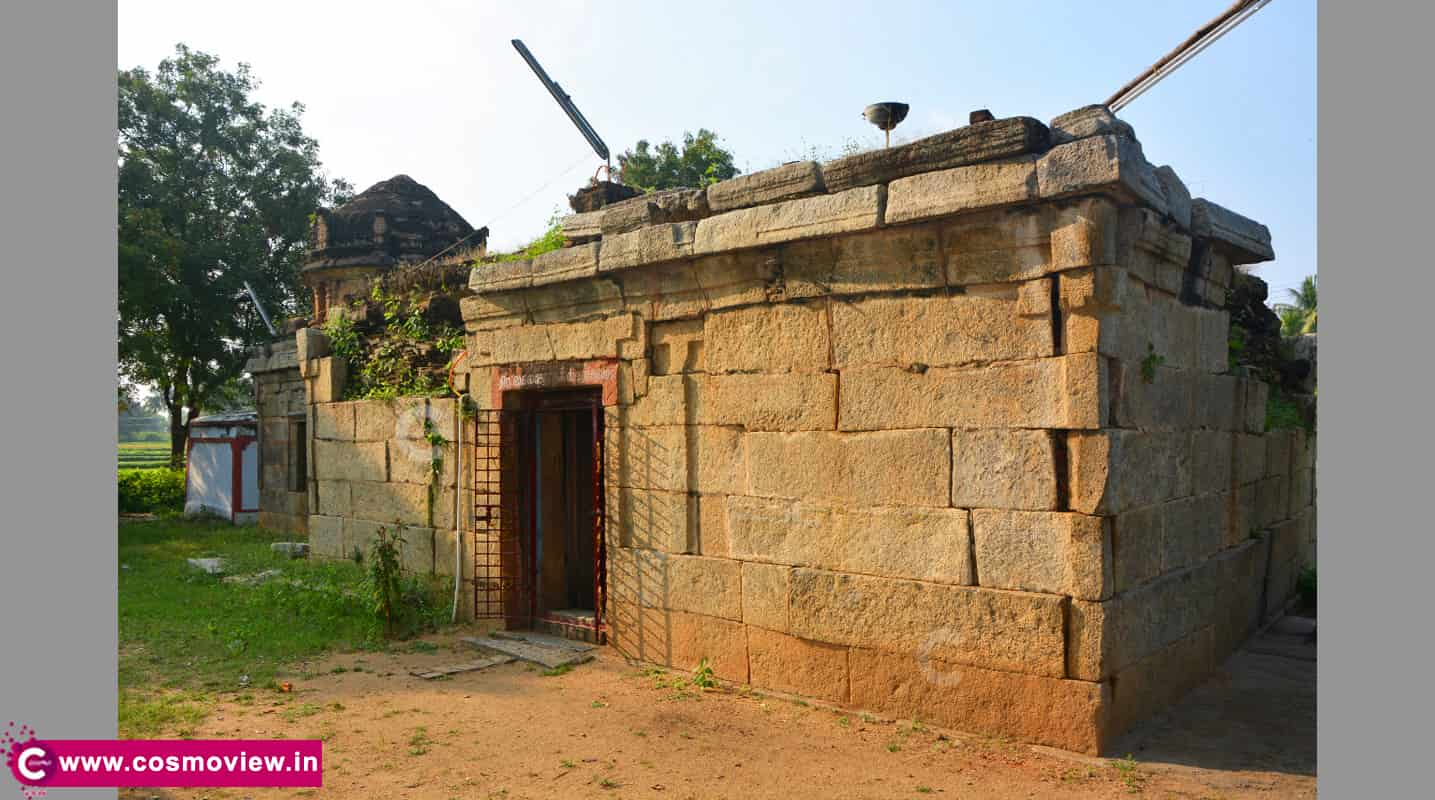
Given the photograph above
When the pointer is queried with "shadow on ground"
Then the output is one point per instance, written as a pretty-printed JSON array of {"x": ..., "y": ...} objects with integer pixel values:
[{"x": 1257, "y": 714}]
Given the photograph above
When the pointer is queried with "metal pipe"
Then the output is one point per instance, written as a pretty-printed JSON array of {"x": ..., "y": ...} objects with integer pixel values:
[
  {"x": 1183, "y": 52},
  {"x": 574, "y": 115},
  {"x": 457, "y": 487},
  {"x": 260, "y": 306}
]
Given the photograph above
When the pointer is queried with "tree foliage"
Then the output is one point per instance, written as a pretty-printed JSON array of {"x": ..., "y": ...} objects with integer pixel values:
[
  {"x": 698, "y": 162},
  {"x": 1299, "y": 315},
  {"x": 214, "y": 190}
]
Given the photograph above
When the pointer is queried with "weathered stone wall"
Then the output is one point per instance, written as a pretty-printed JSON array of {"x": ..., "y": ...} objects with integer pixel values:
[
  {"x": 279, "y": 399},
  {"x": 1207, "y": 531},
  {"x": 375, "y": 467},
  {"x": 945, "y": 429}
]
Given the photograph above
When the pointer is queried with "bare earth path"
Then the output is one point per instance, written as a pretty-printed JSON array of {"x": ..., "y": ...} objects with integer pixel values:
[{"x": 608, "y": 728}]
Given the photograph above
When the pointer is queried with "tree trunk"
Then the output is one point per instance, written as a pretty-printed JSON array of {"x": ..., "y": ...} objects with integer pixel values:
[{"x": 178, "y": 434}]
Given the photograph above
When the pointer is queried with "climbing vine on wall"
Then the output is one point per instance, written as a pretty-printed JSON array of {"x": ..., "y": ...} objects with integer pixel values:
[
  {"x": 437, "y": 442},
  {"x": 397, "y": 344}
]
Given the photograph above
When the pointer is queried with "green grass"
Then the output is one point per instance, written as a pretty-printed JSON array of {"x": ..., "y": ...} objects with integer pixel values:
[
  {"x": 185, "y": 635},
  {"x": 148, "y": 716},
  {"x": 143, "y": 455}
]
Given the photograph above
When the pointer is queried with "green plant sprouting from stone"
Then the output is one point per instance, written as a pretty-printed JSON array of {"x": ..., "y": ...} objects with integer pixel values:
[
  {"x": 1150, "y": 363},
  {"x": 550, "y": 240},
  {"x": 436, "y": 442},
  {"x": 393, "y": 358}
]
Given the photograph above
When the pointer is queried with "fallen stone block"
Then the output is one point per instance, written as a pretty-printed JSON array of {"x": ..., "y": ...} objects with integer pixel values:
[
  {"x": 550, "y": 657},
  {"x": 291, "y": 549},
  {"x": 212, "y": 566},
  {"x": 467, "y": 666},
  {"x": 254, "y": 579},
  {"x": 545, "y": 640}
]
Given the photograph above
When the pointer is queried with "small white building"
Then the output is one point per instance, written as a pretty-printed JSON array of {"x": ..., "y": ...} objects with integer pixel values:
[{"x": 222, "y": 467}]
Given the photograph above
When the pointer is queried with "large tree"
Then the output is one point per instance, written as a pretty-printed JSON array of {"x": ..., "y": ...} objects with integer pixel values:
[
  {"x": 699, "y": 162},
  {"x": 214, "y": 190}
]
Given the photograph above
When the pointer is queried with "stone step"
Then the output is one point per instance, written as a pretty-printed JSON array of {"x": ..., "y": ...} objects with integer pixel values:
[
  {"x": 467, "y": 666},
  {"x": 544, "y": 639},
  {"x": 550, "y": 657}
]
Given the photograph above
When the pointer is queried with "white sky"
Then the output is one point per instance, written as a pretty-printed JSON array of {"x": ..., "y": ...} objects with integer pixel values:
[{"x": 434, "y": 89}]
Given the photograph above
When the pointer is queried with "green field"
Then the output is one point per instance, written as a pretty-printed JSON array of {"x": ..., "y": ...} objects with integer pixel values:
[{"x": 144, "y": 455}]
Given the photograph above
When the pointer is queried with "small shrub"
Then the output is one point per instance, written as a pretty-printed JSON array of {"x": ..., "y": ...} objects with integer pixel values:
[
  {"x": 151, "y": 490},
  {"x": 703, "y": 676},
  {"x": 385, "y": 579}
]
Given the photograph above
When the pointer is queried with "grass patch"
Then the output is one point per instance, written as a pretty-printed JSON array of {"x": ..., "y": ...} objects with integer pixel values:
[
  {"x": 419, "y": 742},
  {"x": 182, "y": 630},
  {"x": 1128, "y": 770},
  {"x": 301, "y": 711},
  {"x": 147, "y": 715}
]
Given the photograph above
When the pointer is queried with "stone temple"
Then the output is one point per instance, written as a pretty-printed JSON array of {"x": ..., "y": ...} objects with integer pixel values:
[
  {"x": 393, "y": 223},
  {"x": 947, "y": 429}
]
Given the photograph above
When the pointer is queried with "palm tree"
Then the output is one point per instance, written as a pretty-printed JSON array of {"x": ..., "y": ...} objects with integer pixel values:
[{"x": 1299, "y": 315}]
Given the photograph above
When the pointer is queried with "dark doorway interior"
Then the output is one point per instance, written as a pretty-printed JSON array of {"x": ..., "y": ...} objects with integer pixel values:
[{"x": 560, "y": 454}]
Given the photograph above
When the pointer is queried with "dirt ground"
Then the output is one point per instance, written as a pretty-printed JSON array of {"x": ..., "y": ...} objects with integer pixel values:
[{"x": 608, "y": 728}]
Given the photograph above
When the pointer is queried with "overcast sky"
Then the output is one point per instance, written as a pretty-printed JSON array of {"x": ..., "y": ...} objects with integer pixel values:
[{"x": 435, "y": 90}]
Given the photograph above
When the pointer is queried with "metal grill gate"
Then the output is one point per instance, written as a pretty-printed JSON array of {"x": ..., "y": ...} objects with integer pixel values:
[{"x": 502, "y": 561}]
